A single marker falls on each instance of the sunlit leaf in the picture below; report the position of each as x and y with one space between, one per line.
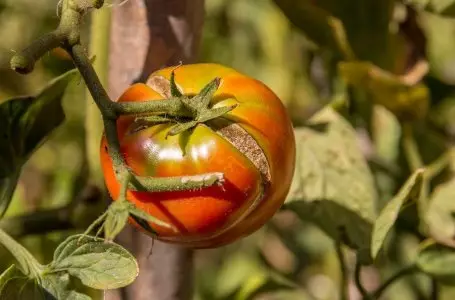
97 263
406 100
333 186
24 124
389 214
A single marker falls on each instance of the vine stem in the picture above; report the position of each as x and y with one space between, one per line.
344 271
358 282
411 149
403 272
434 290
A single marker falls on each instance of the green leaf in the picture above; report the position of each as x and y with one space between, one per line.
59 286
96 263
24 123
406 100
8 274
116 219
324 29
333 186
20 288
174 89
14 285
389 213
353 29
242 277
439 48
440 213
438 261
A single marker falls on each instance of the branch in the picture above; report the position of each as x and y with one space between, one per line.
358 282
344 271
403 272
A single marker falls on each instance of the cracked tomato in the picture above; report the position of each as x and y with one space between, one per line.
253 146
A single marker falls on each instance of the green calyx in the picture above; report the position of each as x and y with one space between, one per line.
195 109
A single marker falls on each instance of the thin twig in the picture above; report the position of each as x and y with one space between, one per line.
403 272
344 283
411 150
358 282
434 290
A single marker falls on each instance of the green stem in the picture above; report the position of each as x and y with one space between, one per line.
99 47
24 62
434 290
411 149
344 272
29 265
436 167
172 106
403 272
99 94
358 282
69 27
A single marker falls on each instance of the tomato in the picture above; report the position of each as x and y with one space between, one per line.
253 146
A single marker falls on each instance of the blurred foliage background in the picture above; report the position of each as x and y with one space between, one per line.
294 47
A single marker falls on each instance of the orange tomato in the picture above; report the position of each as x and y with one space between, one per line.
253 146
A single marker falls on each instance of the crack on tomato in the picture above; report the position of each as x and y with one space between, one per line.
161 85
247 145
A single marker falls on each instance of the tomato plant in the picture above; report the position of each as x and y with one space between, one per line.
253 145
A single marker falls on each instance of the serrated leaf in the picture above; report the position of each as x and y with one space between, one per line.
438 261
96 263
440 213
389 213
333 186
24 123
408 101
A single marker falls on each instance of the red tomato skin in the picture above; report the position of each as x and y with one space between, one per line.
213 216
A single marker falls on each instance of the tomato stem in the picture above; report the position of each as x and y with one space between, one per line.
67 35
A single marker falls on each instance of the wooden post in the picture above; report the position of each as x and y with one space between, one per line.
147 35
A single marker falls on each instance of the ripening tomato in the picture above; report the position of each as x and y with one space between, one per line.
253 146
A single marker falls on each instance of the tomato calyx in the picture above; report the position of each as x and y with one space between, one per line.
196 108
